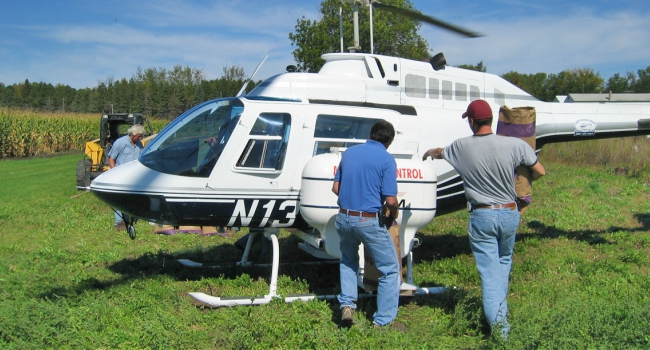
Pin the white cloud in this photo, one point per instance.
(552, 44)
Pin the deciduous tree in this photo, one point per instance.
(394, 35)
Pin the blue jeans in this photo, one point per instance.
(492, 240)
(354, 230)
(118, 217)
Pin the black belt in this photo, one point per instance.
(511, 206)
(365, 214)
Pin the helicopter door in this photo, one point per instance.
(260, 159)
(267, 145)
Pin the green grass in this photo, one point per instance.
(580, 278)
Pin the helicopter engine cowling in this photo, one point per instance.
(416, 185)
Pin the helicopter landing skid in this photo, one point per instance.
(406, 289)
(272, 234)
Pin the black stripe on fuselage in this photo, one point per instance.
(402, 109)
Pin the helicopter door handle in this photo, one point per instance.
(393, 82)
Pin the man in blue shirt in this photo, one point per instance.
(364, 180)
(126, 149)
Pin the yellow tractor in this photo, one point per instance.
(111, 127)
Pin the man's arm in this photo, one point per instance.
(111, 162)
(335, 187)
(391, 204)
(434, 153)
(538, 171)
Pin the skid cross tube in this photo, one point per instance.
(213, 301)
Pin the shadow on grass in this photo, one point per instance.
(150, 265)
(436, 247)
(592, 237)
(320, 279)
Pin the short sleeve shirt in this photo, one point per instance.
(123, 151)
(487, 163)
(367, 175)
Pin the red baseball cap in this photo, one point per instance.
(478, 109)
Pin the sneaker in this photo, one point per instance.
(396, 326)
(347, 316)
(120, 226)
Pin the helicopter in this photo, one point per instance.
(266, 160)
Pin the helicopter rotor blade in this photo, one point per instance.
(428, 19)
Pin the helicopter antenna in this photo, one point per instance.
(243, 88)
(341, 24)
(356, 47)
(372, 42)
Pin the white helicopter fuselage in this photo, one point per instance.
(254, 176)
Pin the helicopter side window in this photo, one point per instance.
(474, 92)
(415, 86)
(267, 145)
(381, 69)
(434, 88)
(461, 92)
(446, 90)
(338, 131)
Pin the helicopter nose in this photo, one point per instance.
(127, 188)
(147, 207)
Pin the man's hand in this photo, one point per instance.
(391, 205)
(434, 153)
(211, 141)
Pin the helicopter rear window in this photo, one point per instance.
(461, 92)
(192, 144)
(474, 93)
(446, 90)
(343, 128)
(415, 86)
(434, 88)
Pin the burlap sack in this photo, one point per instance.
(520, 122)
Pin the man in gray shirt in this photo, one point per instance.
(486, 162)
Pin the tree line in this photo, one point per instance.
(546, 87)
(165, 94)
(157, 92)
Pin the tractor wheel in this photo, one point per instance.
(82, 165)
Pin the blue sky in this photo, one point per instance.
(81, 42)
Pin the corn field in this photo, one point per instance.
(26, 134)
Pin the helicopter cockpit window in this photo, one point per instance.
(192, 144)
(338, 131)
(267, 145)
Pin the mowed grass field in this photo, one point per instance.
(581, 276)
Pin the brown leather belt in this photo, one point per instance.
(511, 206)
(358, 213)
